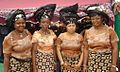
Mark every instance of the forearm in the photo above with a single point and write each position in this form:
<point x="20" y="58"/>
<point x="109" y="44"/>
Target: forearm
<point x="59" y="54"/>
<point x="81" y="59"/>
<point x="33" y="56"/>
<point x="114" y="56"/>
<point x="85" y="56"/>
<point x="114" y="52"/>
<point x="33" y="60"/>
<point x="6" y="63"/>
<point x="54" y="52"/>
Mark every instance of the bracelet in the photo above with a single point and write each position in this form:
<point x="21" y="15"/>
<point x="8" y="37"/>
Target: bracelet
<point x="84" y="65"/>
<point x="113" y="66"/>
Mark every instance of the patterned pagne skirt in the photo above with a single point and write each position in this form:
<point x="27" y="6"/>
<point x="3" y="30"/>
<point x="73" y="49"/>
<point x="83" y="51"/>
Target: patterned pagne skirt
<point x="70" y="61"/>
<point x="18" y="65"/>
<point x="44" y="61"/>
<point x="99" y="61"/>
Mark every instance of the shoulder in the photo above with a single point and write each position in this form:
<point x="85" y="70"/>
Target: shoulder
<point x="28" y="32"/>
<point x="11" y="34"/>
<point x="62" y="34"/>
<point x="8" y="38"/>
<point x="51" y="31"/>
<point x="35" y="36"/>
<point x="111" y="30"/>
<point x="89" y="30"/>
<point x="36" y="32"/>
<point x="79" y="36"/>
<point x="53" y="34"/>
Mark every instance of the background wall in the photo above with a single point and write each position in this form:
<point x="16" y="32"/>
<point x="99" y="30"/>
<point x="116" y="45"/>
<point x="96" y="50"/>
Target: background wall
<point x="36" y="3"/>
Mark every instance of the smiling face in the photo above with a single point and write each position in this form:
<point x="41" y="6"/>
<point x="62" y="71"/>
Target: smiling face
<point x="71" y="28"/>
<point x="20" y="25"/>
<point x="96" y="21"/>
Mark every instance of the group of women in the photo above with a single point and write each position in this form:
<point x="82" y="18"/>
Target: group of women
<point x="95" y="51"/>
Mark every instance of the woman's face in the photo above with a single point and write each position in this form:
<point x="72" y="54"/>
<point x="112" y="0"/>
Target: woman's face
<point x="71" y="28"/>
<point x="45" y="23"/>
<point x="20" y="25"/>
<point x="96" y="21"/>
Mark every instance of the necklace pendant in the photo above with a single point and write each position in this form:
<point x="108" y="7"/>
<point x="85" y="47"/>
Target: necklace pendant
<point x="21" y="35"/>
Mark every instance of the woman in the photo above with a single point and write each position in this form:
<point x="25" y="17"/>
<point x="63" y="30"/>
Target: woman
<point x="17" y="44"/>
<point x="101" y="50"/>
<point x="69" y="45"/>
<point x="43" y="42"/>
<point x="116" y="25"/>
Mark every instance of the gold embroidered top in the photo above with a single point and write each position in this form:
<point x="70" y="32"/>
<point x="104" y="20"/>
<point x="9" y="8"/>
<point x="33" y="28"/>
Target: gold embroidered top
<point x="44" y="42"/>
<point x="71" y="45"/>
<point x="22" y="49"/>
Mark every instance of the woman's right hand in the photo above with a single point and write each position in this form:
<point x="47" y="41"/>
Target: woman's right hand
<point x="62" y="63"/>
<point x="85" y="68"/>
<point x="65" y="65"/>
<point x="34" y="70"/>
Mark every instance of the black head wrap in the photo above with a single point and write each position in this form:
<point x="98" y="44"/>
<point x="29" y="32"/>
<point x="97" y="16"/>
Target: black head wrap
<point x="99" y="13"/>
<point x="13" y="16"/>
<point x="46" y="11"/>
<point x="69" y="14"/>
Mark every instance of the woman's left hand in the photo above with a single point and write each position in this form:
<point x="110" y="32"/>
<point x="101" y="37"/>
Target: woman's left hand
<point x="113" y="69"/>
<point x="55" y="66"/>
<point x="77" y="66"/>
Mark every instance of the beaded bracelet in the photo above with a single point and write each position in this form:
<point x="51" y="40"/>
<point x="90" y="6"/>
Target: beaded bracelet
<point x="113" y="66"/>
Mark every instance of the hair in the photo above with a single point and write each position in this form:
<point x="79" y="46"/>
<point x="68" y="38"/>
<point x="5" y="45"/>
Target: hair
<point x="12" y="17"/>
<point x="69" y="21"/>
<point x="44" y="16"/>
<point x="102" y="14"/>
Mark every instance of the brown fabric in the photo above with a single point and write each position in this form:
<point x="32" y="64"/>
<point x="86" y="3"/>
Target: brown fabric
<point x="44" y="61"/>
<point x="99" y="61"/>
<point x="18" y="65"/>
<point x="70" y="61"/>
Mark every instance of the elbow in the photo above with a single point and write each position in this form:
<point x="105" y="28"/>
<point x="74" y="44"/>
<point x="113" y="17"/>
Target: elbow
<point x="115" y="50"/>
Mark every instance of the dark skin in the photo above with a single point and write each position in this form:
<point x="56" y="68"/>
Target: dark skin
<point x="44" y="23"/>
<point x="98" y="25"/>
<point x="69" y="34"/>
<point x="44" y="27"/>
<point x="19" y="28"/>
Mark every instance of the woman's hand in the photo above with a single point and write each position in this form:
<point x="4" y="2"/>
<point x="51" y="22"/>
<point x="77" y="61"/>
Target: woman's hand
<point x="76" y="66"/>
<point x="113" y="69"/>
<point x="55" y="66"/>
<point x="64" y="64"/>
<point x="61" y="63"/>
<point x="34" y="69"/>
<point x="85" y="68"/>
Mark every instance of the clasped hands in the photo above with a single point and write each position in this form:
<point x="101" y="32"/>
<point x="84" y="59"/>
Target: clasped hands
<point x="69" y="66"/>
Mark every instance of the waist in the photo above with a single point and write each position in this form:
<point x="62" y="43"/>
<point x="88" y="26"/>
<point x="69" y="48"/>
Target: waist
<point x="45" y="49"/>
<point x="99" y="49"/>
<point x="100" y="45"/>
<point x="71" y="53"/>
<point x="70" y="48"/>
<point x="24" y="60"/>
<point x="22" y="56"/>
